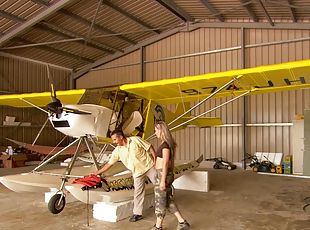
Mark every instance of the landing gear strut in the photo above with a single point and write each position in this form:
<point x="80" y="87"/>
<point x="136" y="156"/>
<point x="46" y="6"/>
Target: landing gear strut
<point x="58" y="201"/>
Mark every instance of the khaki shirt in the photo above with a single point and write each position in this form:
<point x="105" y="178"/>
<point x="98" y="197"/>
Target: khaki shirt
<point x="135" y="156"/>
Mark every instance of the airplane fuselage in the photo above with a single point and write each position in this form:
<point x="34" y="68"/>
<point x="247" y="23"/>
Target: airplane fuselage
<point x="95" y="123"/>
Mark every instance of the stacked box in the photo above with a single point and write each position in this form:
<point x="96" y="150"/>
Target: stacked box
<point x="287" y="164"/>
<point x="12" y="161"/>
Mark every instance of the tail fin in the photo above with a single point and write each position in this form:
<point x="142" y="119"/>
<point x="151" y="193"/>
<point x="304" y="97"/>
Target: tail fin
<point x="199" y="160"/>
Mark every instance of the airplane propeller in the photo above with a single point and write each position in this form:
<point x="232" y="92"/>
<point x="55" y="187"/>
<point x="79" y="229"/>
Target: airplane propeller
<point x="55" y="107"/>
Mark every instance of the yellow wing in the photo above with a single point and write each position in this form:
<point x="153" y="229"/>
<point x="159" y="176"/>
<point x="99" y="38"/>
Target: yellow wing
<point x="263" y="79"/>
<point x="41" y="99"/>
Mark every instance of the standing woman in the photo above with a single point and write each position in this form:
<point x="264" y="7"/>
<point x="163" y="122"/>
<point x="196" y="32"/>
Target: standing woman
<point x="163" y="188"/>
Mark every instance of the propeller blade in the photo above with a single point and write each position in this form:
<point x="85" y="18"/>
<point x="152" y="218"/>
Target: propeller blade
<point x="55" y="106"/>
<point x="50" y="80"/>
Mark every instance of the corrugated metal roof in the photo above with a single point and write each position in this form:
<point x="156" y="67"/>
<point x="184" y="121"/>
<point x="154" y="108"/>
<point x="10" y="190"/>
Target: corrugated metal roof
<point x="74" y="34"/>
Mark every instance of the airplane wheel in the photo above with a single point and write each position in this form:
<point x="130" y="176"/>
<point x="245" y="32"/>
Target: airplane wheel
<point x="229" y="167"/>
<point x="216" y="166"/>
<point x="55" y="205"/>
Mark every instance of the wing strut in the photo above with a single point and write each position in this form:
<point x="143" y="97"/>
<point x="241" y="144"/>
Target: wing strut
<point x="39" y="133"/>
<point x="28" y="102"/>
<point x="91" y="152"/>
<point x="207" y="98"/>
<point x="209" y="111"/>
<point x="53" y="157"/>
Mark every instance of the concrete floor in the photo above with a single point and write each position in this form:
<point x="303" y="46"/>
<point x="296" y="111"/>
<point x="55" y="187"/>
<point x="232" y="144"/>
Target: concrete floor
<point x="237" y="200"/>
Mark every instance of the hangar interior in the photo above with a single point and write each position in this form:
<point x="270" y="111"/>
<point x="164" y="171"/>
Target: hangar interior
<point x="88" y="44"/>
<point x="98" y="43"/>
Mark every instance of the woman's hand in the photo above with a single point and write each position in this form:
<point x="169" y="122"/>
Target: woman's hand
<point x="162" y="186"/>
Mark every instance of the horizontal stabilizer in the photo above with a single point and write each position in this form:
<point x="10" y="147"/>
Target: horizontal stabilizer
<point x="203" y="122"/>
<point x="103" y="140"/>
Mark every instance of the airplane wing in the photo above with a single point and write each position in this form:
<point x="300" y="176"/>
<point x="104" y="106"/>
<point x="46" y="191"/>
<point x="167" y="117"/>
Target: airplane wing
<point x="41" y="99"/>
<point x="262" y="79"/>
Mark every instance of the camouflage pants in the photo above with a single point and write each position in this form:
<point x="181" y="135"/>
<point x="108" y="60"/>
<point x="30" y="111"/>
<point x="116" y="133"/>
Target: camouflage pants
<point x="164" y="199"/>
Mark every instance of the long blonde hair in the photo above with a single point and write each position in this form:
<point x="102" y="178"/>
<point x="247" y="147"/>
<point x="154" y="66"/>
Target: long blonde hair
<point x="165" y="134"/>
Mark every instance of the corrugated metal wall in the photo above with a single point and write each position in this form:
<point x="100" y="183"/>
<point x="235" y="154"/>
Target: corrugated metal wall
<point x="123" y="70"/>
<point x="20" y="76"/>
<point x="218" y="49"/>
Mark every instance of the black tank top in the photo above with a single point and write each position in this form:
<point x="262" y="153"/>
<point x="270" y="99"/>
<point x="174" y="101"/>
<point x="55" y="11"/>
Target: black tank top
<point x="159" y="152"/>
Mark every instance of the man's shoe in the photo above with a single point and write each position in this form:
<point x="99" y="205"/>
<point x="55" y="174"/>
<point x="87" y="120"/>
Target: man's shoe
<point x="183" y="226"/>
<point x="135" y="218"/>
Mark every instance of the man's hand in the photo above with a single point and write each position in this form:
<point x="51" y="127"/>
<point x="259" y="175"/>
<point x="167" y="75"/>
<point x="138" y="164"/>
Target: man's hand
<point x="101" y="175"/>
<point x="96" y="173"/>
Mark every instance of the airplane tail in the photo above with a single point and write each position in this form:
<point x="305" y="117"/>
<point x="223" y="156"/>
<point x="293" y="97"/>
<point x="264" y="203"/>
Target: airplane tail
<point x="158" y="112"/>
<point x="199" y="160"/>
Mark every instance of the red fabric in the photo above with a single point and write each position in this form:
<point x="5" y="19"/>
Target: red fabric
<point x="90" y="181"/>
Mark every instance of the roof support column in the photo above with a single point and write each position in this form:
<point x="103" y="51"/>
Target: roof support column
<point x="245" y="102"/>
<point x="142" y="64"/>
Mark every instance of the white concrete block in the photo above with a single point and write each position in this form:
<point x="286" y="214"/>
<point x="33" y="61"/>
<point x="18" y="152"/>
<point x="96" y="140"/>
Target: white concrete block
<point x="194" y="181"/>
<point x="113" y="212"/>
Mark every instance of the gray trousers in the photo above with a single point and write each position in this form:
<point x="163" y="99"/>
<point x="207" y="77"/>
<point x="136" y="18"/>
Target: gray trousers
<point x="139" y="192"/>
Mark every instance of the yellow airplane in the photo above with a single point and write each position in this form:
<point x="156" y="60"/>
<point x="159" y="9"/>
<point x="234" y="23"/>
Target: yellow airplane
<point x="90" y="114"/>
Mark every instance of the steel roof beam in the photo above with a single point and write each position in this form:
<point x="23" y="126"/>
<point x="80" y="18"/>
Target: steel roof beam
<point x="246" y="5"/>
<point x="20" y="29"/>
<point x="10" y="16"/>
<point x="265" y="12"/>
<point x="291" y="11"/>
<point x="95" y="26"/>
<point x="176" y="10"/>
<point x="130" y="16"/>
<point x="68" y="34"/>
<point x="42" y="2"/>
<point x="146" y="42"/>
<point x="253" y="25"/>
<point x="290" y="7"/>
<point x="8" y="55"/>
<point x="213" y="10"/>
<point x="56" y="51"/>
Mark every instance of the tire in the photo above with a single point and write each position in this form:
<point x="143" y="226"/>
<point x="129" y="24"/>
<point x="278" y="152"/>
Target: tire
<point x="229" y="167"/>
<point x="264" y="168"/>
<point x="54" y="206"/>
<point x="216" y="166"/>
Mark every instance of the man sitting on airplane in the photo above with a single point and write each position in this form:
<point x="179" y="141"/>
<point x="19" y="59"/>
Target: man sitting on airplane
<point x="139" y="157"/>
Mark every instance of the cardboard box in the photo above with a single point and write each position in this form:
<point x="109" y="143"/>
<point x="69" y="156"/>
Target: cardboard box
<point x="287" y="159"/>
<point x="12" y="161"/>
<point x="9" y="119"/>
